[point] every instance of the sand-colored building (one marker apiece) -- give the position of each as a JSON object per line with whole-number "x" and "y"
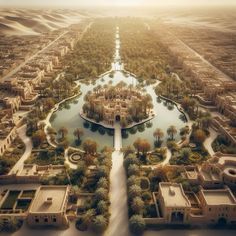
{"x": 208, "y": 206}
{"x": 49, "y": 207}
{"x": 174, "y": 204}
{"x": 218, "y": 171}
{"x": 218, "y": 206}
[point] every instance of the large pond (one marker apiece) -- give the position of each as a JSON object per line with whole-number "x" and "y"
{"x": 68, "y": 115}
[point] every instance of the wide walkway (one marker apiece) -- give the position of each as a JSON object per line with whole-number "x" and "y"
{"x": 28, "y": 148}
{"x": 118, "y": 191}
{"x": 117, "y": 137}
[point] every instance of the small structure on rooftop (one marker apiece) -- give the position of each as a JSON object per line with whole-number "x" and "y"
{"x": 49, "y": 207}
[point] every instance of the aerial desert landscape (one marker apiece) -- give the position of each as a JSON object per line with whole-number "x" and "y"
{"x": 118, "y": 118}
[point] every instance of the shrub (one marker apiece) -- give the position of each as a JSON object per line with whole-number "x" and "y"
{"x": 80, "y": 224}
{"x": 99, "y": 224}
{"x": 137, "y": 224}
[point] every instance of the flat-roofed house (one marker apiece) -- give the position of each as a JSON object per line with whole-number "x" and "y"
{"x": 174, "y": 204}
{"x": 218, "y": 205}
{"x": 49, "y": 207}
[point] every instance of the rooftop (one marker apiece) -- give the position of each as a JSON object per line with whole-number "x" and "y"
{"x": 173, "y": 195}
{"x": 49, "y": 199}
{"x": 218, "y": 197}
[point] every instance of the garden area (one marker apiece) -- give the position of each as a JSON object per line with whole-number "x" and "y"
{"x": 92, "y": 176}
{"x": 17, "y": 200}
{"x": 46, "y": 155}
{"x": 90, "y": 179}
{"x": 94, "y": 53}
{"x": 189, "y": 156}
{"x": 11, "y": 156}
{"x": 221, "y": 144}
{"x": 141, "y": 183}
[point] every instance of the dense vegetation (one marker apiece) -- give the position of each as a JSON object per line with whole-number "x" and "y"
{"x": 193, "y": 152}
{"x": 141, "y": 183}
{"x": 93, "y": 54}
{"x": 221, "y": 144}
{"x": 141, "y": 52}
{"x": 10, "y": 225}
{"x": 11, "y": 156}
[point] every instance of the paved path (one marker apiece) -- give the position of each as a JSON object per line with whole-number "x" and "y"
{"x": 167, "y": 159}
{"x": 210, "y": 140}
{"x": 118, "y": 191}
{"x": 117, "y": 137}
{"x": 28, "y": 148}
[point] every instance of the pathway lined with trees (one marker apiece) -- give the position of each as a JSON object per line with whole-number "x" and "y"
{"x": 28, "y": 148}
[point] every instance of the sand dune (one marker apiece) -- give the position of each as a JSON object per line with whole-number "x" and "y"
{"x": 33, "y": 22}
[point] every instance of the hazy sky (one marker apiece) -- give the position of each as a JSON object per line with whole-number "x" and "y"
{"x": 114, "y": 2}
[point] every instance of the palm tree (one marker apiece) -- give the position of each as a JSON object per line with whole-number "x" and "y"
{"x": 137, "y": 205}
{"x": 137, "y": 224}
{"x": 172, "y": 131}
{"x": 102, "y": 207}
{"x": 158, "y": 134}
{"x": 145, "y": 146}
{"x": 90, "y": 146}
{"x": 101, "y": 194}
{"x": 136, "y": 145}
{"x": 185, "y": 153}
{"x": 63, "y": 131}
{"x": 78, "y": 133}
{"x": 99, "y": 224}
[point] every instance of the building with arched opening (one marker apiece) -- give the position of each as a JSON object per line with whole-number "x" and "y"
{"x": 119, "y": 103}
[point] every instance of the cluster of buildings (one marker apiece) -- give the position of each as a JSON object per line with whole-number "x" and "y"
{"x": 217, "y": 46}
{"x": 214, "y": 203}
{"x": 31, "y": 173}
{"x": 208, "y": 206}
{"x": 114, "y": 103}
{"x": 15, "y": 50}
{"x": 216, "y": 172}
{"x": 23, "y": 197}
{"x": 214, "y": 89}
{"x": 39, "y": 205}
{"x": 19, "y": 91}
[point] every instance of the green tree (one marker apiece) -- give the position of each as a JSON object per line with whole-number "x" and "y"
{"x": 133, "y": 170}
{"x": 38, "y": 138}
{"x": 101, "y": 194}
{"x": 137, "y": 205}
{"x": 129, "y": 160}
{"x": 158, "y": 134}
{"x": 172, "y": 131}
{"x": 63, "y": 131}
{"x": 137, "y": 224}
{"x": 90, "y": 146}
{"x": 134, "y": 191}
{"x": 185, "y": 153}
{"x": 78, "y": 133}
{"x": 199, "y": 136}
{"x": 102, "y": 207}
{"x": 99, "y": 224}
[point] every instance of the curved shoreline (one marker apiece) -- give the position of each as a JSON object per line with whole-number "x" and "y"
{"x": 113, "y": 126}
